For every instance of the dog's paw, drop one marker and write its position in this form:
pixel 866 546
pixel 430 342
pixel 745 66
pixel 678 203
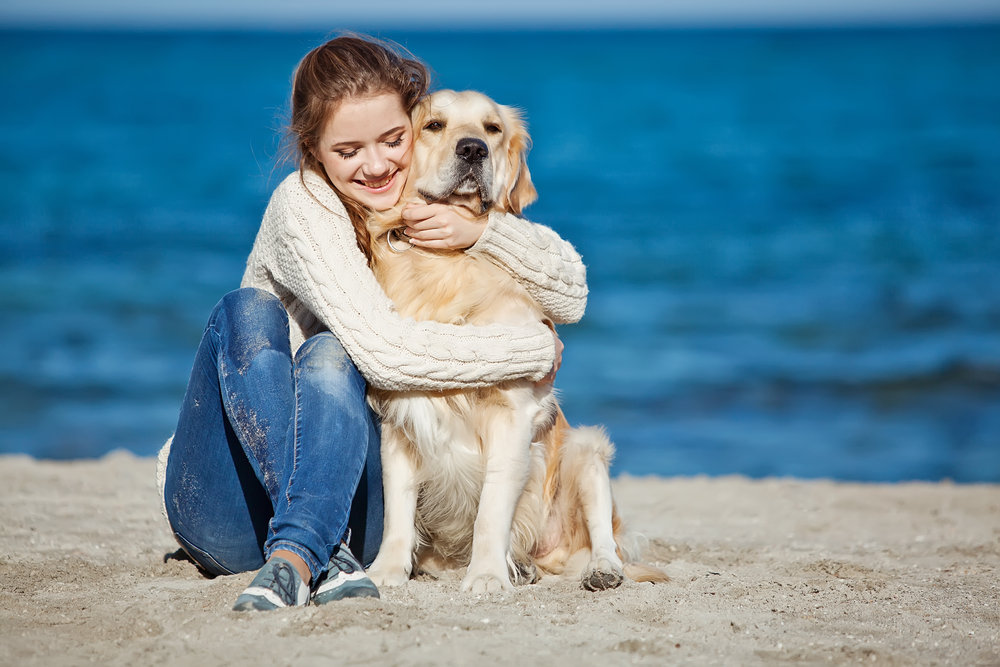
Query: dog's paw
pixel 384 575
pixel 524 573
pixel 486 583
pixel 602 574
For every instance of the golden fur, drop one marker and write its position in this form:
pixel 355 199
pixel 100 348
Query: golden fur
pixel 495 478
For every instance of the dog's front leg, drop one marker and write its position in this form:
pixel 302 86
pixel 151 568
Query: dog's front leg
pixel 507 441
pixel 394 563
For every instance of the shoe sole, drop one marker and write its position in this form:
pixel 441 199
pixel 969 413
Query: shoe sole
pixel 344 592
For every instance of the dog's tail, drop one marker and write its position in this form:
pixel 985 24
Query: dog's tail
pixel 645 573
pixel 630 548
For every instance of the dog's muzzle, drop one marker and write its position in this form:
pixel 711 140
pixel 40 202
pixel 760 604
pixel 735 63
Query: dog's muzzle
pixel 470 173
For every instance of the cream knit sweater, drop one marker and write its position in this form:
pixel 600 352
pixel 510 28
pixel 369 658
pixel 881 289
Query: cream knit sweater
pixel 306 255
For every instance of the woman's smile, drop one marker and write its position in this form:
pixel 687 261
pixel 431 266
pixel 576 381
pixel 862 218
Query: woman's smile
pixel 380 185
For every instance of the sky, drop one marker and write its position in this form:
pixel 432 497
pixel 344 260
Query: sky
pixel 288 14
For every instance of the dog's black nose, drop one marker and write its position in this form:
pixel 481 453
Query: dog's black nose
pixel 471 149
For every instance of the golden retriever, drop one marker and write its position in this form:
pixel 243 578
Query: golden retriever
pixel 491 478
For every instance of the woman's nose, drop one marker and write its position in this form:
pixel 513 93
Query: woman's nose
pixel 377 163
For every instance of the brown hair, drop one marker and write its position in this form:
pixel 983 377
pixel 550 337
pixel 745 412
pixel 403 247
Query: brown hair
pixel 348 66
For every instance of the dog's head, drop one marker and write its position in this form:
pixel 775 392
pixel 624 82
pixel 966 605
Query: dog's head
pixel 470 151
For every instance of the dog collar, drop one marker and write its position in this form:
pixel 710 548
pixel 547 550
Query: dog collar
pixel 388 239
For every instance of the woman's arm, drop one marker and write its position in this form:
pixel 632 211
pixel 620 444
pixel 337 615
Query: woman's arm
pixel 308 247
pixel 546 265
pixel 549 268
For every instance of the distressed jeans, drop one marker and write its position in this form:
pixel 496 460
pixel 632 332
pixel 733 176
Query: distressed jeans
pixel 272 451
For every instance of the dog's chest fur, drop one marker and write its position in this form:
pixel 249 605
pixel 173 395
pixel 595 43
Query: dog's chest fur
pixel 447 430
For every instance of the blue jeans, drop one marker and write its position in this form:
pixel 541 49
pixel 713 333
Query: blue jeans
pixel 272 451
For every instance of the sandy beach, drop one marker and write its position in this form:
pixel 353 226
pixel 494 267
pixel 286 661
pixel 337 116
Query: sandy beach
pixel 763 572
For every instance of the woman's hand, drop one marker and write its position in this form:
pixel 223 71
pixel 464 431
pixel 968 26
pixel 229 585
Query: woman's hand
pixel 442 227
pixel 551 377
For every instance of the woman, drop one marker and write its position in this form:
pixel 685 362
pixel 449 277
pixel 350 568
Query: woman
pixel 275 460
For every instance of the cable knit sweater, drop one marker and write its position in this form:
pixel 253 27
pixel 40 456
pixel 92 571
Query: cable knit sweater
pixel 306 254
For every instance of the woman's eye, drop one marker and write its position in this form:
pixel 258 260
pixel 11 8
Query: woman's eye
pixel 395 142
pixel 493 128
pixel 347 155
pixel 434 126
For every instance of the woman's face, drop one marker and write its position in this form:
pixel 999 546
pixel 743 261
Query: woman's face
pixel 365 148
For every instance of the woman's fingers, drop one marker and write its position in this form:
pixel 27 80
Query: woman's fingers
pixel 416 213
pixel 441 227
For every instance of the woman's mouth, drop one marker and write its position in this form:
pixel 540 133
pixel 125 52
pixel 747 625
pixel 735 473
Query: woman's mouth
pixel 380 185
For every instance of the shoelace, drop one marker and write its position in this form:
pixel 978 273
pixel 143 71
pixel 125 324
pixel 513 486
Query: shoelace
pixel 282 581
pixel 344 562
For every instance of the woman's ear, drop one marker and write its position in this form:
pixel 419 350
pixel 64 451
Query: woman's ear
pixel 309 149
pixel 519 190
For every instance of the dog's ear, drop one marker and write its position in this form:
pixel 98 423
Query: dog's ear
pixel 519 191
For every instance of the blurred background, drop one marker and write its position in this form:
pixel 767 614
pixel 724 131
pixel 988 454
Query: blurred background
pixel 790 214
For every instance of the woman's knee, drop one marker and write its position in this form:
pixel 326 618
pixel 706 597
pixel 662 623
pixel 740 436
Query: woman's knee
pixel 324 362
pixel 250 305
pixel 249 320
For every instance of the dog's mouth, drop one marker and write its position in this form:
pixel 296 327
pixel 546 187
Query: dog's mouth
pixel 471 182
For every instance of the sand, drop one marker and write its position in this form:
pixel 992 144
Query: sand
pixel 763 572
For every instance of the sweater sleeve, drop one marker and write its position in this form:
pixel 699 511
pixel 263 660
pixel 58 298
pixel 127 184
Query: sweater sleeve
pixel 547 266
pixel 309 248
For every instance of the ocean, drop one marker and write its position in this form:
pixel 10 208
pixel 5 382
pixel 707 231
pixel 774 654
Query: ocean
pixel 792 236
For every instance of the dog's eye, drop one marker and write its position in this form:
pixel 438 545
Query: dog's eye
pixel 493 128
pixel 434 126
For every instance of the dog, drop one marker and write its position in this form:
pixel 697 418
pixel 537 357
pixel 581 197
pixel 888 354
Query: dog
pixel 494 478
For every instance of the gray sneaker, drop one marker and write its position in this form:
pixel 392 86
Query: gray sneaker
pixel 344 578
pixel 276 585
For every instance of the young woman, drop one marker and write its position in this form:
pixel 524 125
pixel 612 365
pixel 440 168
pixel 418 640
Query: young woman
pixel 275 460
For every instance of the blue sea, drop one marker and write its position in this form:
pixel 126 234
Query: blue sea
pixel 792 236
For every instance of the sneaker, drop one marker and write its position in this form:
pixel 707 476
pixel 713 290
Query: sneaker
pixel 344 578
pixel 278 584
